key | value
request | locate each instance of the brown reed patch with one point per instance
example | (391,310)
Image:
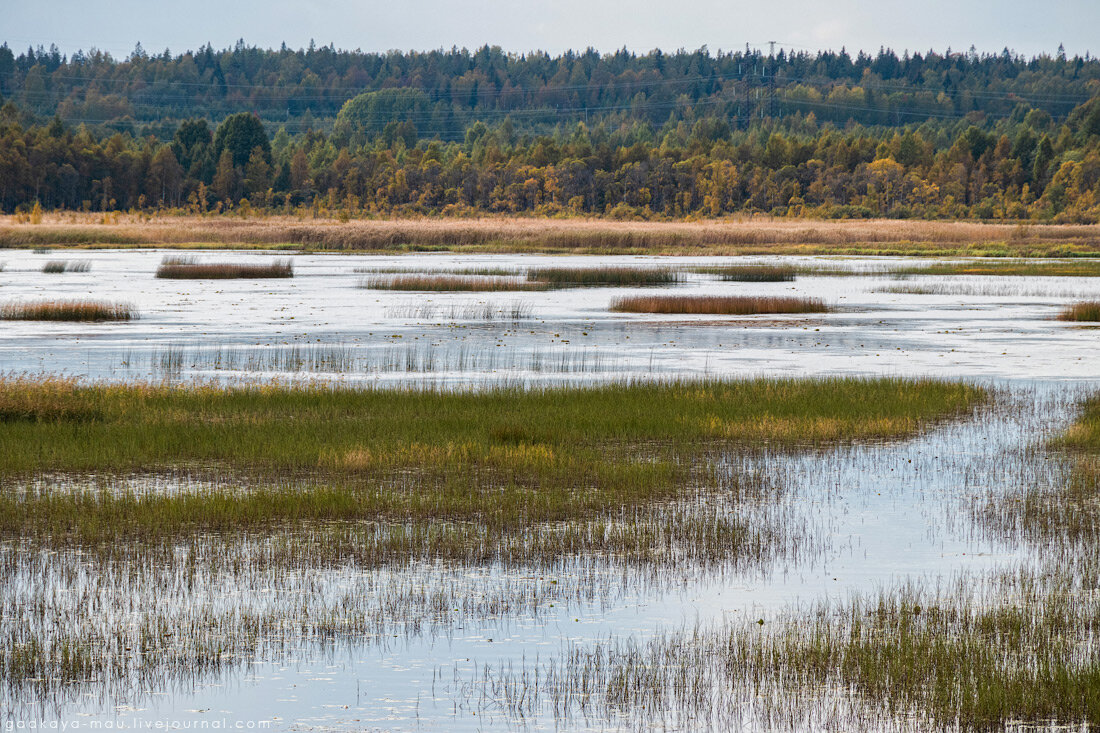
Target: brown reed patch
(1088,310)
(188,268)
(729,305)
(67,310)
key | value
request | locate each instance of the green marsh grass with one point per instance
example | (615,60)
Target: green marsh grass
(190,268)
(1088,311)
(67,310)
(573,277)
(739,305)
(505,455)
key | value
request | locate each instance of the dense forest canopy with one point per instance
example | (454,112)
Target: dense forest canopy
(623,134)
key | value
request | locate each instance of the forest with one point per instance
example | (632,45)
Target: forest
(624,135)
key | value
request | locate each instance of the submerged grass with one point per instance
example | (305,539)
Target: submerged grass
(190,268)
(1086,311)
(572,277)
(718,304)
(67,310)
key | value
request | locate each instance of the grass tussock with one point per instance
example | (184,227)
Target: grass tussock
(1088,311)
(508,456)
(751,273)
(68,310)
(448,283)
(731,305)
(573,277)
(189,268)
(63,266)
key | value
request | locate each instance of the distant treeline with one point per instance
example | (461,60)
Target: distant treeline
(450,90)
(382,151)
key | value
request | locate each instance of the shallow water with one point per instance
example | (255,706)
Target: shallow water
(569,335)
(868,516)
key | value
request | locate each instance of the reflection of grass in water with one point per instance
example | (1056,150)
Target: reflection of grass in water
(487,311)
(728,305)
(67,310)
(614,276)
(412,358)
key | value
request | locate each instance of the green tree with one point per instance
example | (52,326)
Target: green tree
(239,134)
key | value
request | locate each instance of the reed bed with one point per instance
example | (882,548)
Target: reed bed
(734,236)
(189,268)
(1017,289)
(1088,311)
(739,305)
(750,273)
(573,277)
(63,266)
(449,283)
(68,310)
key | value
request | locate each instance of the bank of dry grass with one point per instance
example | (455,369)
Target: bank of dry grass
(748,235)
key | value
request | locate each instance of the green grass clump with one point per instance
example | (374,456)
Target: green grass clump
(508,455)
(448,283)
(574,277)
(751,273)
(733,305)
(1088,311)
(67,310)
(189,268)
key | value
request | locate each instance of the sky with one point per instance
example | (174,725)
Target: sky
(1024,26)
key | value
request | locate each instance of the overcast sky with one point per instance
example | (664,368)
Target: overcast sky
(1026,26)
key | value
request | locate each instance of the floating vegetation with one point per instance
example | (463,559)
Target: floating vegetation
(190,268)
(1086,311)
(572,277)
(750,273)
(68,310)
(718,304)
(62,266)
(449,283)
